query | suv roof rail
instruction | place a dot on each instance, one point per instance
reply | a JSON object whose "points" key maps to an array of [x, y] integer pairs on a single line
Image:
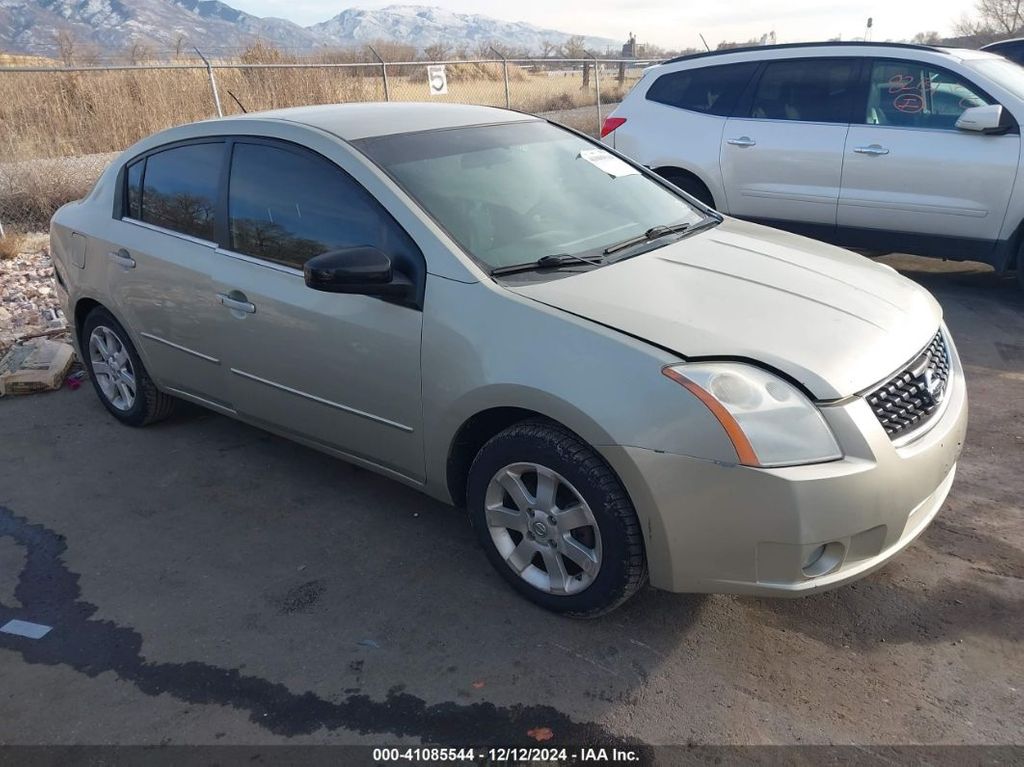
{"points": [[785, 46]]}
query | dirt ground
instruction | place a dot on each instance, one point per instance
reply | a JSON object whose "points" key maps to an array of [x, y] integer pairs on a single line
{"points": [[208, 583]]}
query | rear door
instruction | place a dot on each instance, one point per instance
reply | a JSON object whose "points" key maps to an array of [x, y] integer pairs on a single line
{"points": [[339, 370], [782, 156], [161, 265], [908, 169]]}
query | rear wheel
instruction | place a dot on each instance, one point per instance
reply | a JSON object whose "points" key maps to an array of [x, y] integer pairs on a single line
{"points": [[118, 375], [690, 184], [555, 521]]}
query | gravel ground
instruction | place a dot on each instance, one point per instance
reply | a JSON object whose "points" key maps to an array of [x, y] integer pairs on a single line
{"points": [[210, 583]]}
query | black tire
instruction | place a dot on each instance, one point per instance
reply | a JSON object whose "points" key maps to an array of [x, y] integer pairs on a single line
{"points": [[622, 568], [150, 404], [690, 184]]}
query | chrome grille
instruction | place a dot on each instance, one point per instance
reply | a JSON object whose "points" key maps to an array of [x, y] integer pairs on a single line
{"points": [[912, 396]]}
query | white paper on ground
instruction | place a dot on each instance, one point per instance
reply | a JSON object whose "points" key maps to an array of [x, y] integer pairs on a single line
{"points": [[25, 629]]}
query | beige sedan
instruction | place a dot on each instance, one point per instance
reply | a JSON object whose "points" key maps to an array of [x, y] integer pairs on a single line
{"points": [[618, 383]]}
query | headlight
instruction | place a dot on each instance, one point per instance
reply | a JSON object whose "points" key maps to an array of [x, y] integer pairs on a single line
{"points": [[769, 421]]}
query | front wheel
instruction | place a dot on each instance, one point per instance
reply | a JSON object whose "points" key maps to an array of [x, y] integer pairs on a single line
{"points": [[555, 521]]}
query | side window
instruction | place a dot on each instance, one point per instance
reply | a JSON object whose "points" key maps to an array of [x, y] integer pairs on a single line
{"points": [[908, 94], [179, 189], [134, 197], [809, 90], [712, 90], [287, 207]]}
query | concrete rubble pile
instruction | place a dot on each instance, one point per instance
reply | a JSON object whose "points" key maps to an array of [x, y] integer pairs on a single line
{"points": [[30, 309]]}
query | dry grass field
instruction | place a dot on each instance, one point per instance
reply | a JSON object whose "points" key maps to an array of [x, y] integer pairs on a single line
{"points": [[49, 116]]}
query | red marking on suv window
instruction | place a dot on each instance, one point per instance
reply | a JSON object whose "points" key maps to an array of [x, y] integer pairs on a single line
{"points": [[910, 103]]}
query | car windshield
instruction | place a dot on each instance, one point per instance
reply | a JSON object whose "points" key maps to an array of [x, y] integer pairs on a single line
{"points": [[1002, 72], [514, 193]]}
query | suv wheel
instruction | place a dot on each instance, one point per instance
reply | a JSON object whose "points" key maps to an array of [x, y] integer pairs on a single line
{"points": [[555, 521], [118, 375], [691, 185]]}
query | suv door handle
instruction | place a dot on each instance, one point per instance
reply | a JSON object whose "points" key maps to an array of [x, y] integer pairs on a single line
{"points": [[741, 141], [238, 304], [873, 149], [122, 258]]}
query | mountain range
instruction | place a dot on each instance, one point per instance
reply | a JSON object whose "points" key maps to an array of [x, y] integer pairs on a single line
{"points": [[114, 26]]}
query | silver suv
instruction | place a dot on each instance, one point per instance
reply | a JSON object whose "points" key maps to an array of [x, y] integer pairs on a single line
{"points": [[876, 146]]}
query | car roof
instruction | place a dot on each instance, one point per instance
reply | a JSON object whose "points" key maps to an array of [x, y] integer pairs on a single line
{"points": [[797, 46], [364, 120], [854, 47], [1001, 43]]}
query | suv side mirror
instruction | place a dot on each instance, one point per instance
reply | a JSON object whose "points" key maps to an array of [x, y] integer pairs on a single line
{"points": [[363, 269], [987, 119]]}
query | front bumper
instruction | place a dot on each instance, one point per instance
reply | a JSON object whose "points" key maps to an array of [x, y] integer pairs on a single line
{"points": [[710, 527]]}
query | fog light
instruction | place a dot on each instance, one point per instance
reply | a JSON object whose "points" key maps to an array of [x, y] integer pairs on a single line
{"points": [[821, 560]]}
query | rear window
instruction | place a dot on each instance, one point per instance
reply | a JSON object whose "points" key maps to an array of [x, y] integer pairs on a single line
{"points": [[711, 90], [808, 90], [179, 189]]}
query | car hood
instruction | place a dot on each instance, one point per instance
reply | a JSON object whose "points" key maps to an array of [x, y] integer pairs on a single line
{"points": [[834, 321]]}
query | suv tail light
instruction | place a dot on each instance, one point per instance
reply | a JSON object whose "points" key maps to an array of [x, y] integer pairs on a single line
{"points": [[610, 124]]}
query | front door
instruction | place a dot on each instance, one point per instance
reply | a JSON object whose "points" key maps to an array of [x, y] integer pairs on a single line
{"points": [[782, 160], [341, 371], [908, 169]]}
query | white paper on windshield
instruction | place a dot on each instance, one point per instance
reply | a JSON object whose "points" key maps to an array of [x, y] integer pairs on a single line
{"points": [[608, 163]]}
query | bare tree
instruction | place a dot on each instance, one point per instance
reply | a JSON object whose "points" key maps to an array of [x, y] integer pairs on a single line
{"points": [[66, 47], [994, 18], [437, 51], [926, 38], [575, 47]]}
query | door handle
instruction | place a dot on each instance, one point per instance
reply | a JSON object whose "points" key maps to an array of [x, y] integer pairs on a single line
{"points": [[741, 141], [874, 149], [122, 258], [239, 305]]}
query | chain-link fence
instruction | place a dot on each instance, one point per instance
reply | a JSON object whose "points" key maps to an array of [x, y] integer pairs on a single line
{"points": [[59, 124], [66, 111]]}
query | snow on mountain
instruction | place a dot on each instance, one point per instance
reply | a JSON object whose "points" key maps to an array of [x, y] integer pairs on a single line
{"points": [[114, 26], [422, 25]]}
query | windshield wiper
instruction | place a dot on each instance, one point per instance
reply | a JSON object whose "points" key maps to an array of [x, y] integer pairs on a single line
{"points": [[545, 262], [651, 234]]}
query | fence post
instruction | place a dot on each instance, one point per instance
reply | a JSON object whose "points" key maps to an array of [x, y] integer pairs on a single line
{"points": [[383, 72], [504, 64], [597, 85], [213, 83]]}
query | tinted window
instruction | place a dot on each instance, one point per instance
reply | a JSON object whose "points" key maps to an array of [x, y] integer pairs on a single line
{"points": [[134, 199], [713, 90], [811, 90], [180, 189], [288, 206], [908, 94], [1014, 50]]}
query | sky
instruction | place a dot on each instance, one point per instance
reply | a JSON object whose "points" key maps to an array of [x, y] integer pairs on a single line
{"points": [[674, 24]]}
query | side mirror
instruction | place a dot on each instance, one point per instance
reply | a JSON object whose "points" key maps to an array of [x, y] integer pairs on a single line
{"points": [[364, 269], [988, 119]]}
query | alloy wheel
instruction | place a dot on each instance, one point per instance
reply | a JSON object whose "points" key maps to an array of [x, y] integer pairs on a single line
{"points": [[543, 528], [112, 366]]}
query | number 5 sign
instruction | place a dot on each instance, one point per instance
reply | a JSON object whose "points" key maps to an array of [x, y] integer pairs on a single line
{"points": [[437, 80]]}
